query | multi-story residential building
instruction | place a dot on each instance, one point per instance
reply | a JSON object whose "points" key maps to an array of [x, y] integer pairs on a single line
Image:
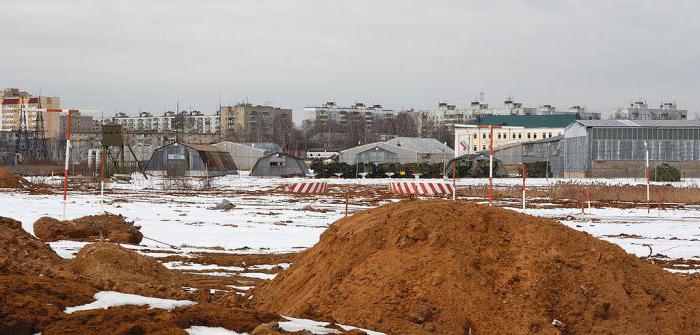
{"points": [[584, 114], [16, 103], [252, 122], [446, 116], [187, 122], [510, 107], [639, 110], [331, 112], [80, 123]]}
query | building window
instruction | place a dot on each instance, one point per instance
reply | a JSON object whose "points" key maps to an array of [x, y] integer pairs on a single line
{"points": [[483, 135], [545, 135], [513, 136], [474, 136], [475, 148], [528, 135], [550, 134], [520, 135]]}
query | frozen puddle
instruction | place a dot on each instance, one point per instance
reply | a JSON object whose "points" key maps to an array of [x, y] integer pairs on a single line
{"points": [[107, 299]]}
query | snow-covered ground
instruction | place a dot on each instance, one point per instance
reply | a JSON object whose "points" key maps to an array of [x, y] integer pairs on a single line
{"points": [[244, 182], [267, 221]]}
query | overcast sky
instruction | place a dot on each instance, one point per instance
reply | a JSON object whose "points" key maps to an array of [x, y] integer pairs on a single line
{"points": [[131, 55]]}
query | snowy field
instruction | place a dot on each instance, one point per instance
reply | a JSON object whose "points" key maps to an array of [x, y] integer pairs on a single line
{"points": [[181, 225], [266, 220]]}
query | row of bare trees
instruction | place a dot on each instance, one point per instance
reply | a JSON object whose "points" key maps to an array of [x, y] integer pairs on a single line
{"points": [[355, 130], [329, 135]]}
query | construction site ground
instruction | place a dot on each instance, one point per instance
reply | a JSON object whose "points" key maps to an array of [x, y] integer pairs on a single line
{"points": [[219, 252]]}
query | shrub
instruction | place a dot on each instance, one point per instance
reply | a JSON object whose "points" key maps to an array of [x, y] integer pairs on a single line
{"points": [[665, 172]]}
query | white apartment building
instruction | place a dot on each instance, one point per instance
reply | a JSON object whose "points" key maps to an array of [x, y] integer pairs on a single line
{"points": [[639, 110], [193, 122], [331, 112]]}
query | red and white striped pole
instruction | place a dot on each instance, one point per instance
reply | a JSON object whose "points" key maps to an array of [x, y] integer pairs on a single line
{"points": [[490, 165], [524, 176], [102, 177], [647, 174], [454, 179], [67, 162], [65, 170]]}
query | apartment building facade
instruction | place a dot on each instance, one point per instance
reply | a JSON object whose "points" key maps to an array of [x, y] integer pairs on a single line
{"points": [[187, 122], [639, 110], [16, 103], [331, 112], [254, 123]]}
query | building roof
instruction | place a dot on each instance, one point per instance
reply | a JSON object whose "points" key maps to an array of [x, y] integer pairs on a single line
{"points": [[419, 144], [641, 123], [527, 121], [202, 147], [269, 147]]}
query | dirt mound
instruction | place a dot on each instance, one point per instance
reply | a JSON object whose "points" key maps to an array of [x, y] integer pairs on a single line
{"points": [[88, 228], [29, 302], [8, 179], [22, 253], [446, 267], [115, 268], [140, 320]]}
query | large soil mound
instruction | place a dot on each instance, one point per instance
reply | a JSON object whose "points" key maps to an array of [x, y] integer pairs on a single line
{"points": [[88, 228], [21, 253], [112, 267], [419, 267], [12, 180]]}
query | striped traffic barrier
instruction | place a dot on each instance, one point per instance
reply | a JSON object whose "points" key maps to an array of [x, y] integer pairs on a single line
{"points": [[309, 187], [420, 188]]}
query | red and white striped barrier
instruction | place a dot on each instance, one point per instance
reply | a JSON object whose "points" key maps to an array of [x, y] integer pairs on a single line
{"points": [[309, 187], [420, 187]]}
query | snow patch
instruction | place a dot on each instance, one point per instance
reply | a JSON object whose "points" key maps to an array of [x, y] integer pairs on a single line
{"points": [[316, 327], [107, 299], [202, 330]]}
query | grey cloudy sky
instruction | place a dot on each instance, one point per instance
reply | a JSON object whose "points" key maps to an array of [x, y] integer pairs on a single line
{"points": [[126, 55]]}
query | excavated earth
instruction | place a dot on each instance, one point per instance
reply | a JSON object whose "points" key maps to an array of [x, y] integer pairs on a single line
{"points": [[443, 267], [8, 179], [89, 228], [36, 285]]}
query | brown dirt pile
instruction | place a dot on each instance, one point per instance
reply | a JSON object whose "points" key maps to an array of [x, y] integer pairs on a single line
{"points": [[30, 302], [112, 267], [22, 253], [140, 320], [88, 228], [8, 179], [423, 267]]}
